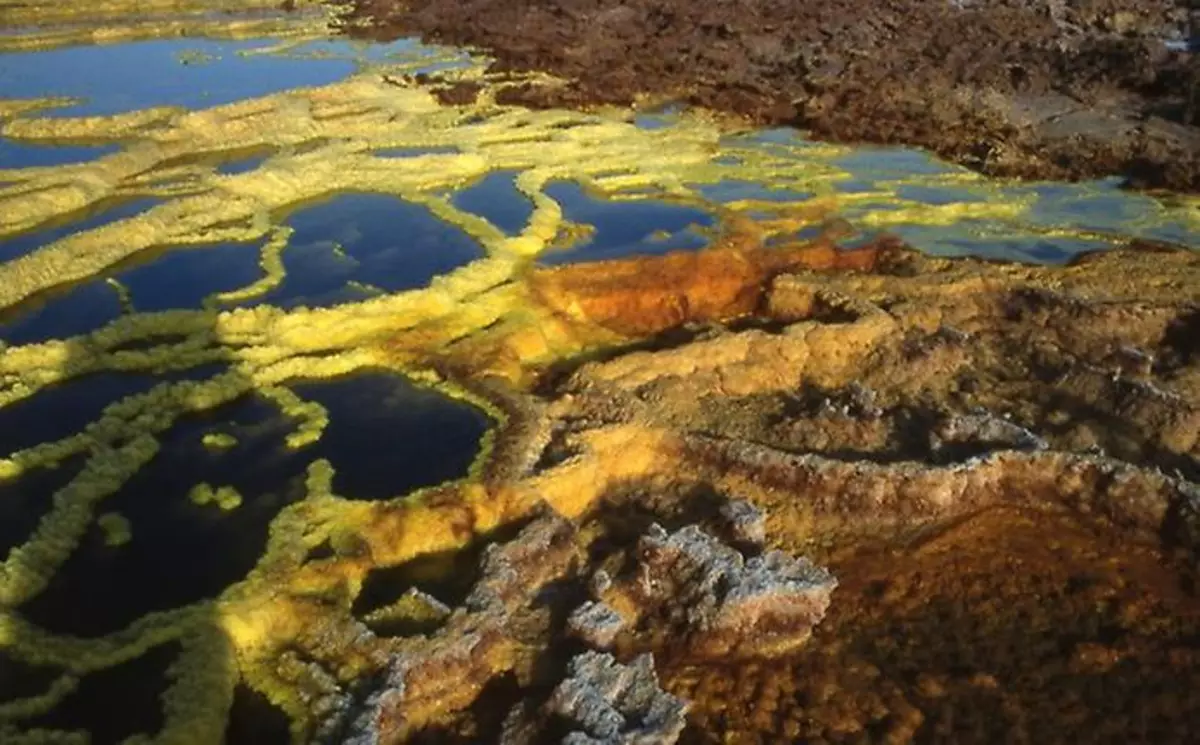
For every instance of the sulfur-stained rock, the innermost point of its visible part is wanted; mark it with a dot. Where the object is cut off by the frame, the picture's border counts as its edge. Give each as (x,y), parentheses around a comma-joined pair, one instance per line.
(998,462)
(494,632)
(875,402)
(899,417)
(968,359)
(413,607)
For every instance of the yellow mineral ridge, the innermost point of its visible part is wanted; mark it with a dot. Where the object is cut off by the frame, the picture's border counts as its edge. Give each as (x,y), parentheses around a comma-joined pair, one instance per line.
(46,24)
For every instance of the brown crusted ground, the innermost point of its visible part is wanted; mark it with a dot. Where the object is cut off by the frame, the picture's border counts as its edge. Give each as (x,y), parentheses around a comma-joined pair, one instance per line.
(998,464)
(974,450)
(1027,88)
(1008,626)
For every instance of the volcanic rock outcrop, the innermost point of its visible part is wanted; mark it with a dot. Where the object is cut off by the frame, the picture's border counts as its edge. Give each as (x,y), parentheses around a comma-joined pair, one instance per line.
(689,593)
(1028,88)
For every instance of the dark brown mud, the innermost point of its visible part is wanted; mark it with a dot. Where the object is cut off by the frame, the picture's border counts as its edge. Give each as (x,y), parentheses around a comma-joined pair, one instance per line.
(1061,89)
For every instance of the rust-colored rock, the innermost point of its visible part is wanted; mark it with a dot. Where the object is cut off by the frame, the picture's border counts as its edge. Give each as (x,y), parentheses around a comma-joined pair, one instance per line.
(647,295)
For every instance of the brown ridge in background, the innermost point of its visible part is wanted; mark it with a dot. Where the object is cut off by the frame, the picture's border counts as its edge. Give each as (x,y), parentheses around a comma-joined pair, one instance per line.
(1060,89)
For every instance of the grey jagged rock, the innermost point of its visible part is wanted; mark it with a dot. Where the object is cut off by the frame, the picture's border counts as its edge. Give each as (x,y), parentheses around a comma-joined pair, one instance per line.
(746,523)
(596,624)
(977,433)
(607,703)
(713,602)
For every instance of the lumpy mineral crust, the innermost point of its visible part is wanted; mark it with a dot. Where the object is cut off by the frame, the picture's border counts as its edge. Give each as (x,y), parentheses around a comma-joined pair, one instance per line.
(974,569)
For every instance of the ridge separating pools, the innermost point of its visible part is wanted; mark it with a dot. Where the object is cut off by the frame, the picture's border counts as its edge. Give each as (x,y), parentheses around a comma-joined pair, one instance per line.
(172,558)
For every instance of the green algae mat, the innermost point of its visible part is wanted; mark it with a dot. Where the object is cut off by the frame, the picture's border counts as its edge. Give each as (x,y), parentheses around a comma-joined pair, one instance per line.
(242,269)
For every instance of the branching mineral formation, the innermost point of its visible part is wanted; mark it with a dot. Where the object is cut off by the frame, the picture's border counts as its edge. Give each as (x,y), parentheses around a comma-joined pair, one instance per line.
(607,702)
(720,605)
(776,489)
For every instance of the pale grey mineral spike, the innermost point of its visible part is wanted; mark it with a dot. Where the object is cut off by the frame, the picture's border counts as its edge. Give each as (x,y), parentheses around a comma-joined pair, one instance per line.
(724,605)
(596,624)
(600,582)
(746,522)
(982,431)
(607,703)
(359,724)
(506,566)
